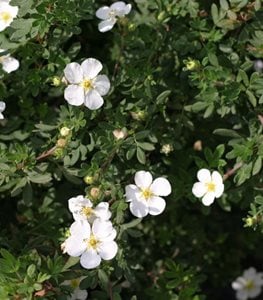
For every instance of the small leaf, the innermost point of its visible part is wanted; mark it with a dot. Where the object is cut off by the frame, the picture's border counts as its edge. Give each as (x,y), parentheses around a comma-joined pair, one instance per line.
(257,166)
(251,98)
(227,132)
(141,156)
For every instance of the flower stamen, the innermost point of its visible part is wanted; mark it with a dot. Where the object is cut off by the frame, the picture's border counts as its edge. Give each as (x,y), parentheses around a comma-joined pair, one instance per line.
(5,16)
(87,84)
(87,211)
(250,285)
(146,193)
(211,187)
(93,242)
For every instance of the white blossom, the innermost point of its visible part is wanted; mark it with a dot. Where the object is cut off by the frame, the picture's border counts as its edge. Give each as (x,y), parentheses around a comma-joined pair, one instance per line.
(7,14)
(109,15)
(91,243)
(2,108)
(209,187)
(77,294)
(8,62)
(82,209)
(144,196)
(85,85)
(248,285)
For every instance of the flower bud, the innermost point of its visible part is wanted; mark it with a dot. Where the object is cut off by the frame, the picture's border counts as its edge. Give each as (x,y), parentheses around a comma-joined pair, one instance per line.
(167,148)
(258,65)
(61,143)
(95,193)
(65,131)
(56,81)
(131,27)
(139,115)
(198,145)
(191,64)
(88,179)
(119,134)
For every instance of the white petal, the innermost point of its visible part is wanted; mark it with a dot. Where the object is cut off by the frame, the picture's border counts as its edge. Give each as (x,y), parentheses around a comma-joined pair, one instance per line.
(119,7)
(250,273)
(138,209)
(79,294)
(156,205)
(74,246)
(80,229)
(102,84)
(111,236)
(108,250)
(107,24)
(161,187)
(10,64)
(208,198)
(199,189)
(253,293)
(217,178)
(90,259)
(204,175)
(75,203)
(143,179)
(236,285)
(131,192)
(219,190)
(91,67)
(242,295)
(128,9)
(2,106)
(102,211)
(102,229)
(103,13)
(93,100)
(1,116)
(73,73)
(74,95)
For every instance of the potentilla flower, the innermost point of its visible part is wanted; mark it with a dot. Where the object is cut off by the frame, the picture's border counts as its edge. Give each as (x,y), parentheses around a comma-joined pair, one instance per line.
(209,187)
(2,108)
(8,62)
(109,15)
(7,14)
(82,209)
(249,285)
(77,294)
(92,244)
(144,196)
(85,85)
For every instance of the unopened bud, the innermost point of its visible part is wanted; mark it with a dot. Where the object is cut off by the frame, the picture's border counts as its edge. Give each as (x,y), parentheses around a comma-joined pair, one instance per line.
(95,193)
(65,131)
(131,27)
(198,145)
(56,81)
(191,64)
(258,65)
(88,179)
(61,143)
(139,116)
(120,133)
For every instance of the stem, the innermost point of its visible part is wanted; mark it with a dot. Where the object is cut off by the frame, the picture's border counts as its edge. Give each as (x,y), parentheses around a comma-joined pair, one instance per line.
(232,171)
(46,153)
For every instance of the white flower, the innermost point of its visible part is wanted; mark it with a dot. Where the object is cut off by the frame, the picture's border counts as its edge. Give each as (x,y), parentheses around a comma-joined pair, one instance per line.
(249,285)
(8,62)
(209,186)
(144,196)
(77,294)
(7,14)
(110,14)
(2,108)
(81,208)
(85,85)
(91,243)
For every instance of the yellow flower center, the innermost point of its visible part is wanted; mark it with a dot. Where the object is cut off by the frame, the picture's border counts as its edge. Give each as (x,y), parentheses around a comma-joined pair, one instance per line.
(250,285)
(93,242)
(190,65)
(74,283)
(87,211)
(6,16)
(86,84)
(146,193)
(211,187)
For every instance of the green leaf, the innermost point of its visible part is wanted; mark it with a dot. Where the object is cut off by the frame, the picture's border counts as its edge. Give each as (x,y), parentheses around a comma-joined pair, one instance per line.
(72,261)
(146,146)
(257,166)
(251,98)
(226,132)
(163,96)
(224,4)
(130,153)
(39,178)
(141,156)
(214,12)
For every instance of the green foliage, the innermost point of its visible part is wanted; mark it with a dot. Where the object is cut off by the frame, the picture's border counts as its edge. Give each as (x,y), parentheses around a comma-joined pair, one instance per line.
(182,74)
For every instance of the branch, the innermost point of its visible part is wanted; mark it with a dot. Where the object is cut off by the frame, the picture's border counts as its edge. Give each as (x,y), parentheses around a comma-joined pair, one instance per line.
(232,171)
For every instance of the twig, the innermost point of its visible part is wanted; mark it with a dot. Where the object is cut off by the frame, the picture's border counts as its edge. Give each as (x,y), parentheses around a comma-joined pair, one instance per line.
(230,172)
(46,153)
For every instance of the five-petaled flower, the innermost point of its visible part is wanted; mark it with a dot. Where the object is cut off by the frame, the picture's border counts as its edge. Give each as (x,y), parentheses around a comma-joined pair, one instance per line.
(77,293)
(144,196)
(85,85)
(209,187)
(91,243)
(110,14)
(8,62)
(7,14)
(82,209)
(249,285)
(2,108)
